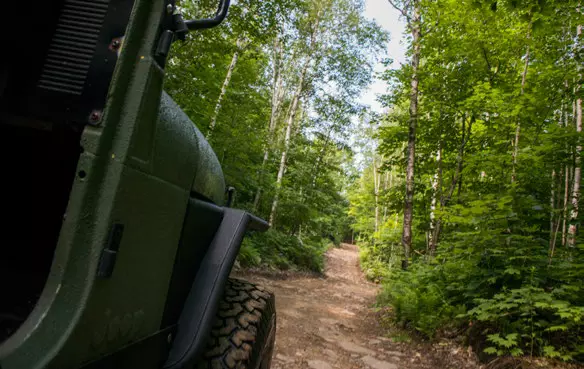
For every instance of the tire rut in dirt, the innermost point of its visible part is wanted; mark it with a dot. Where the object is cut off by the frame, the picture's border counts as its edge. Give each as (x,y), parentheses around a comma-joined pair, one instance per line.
(243,334)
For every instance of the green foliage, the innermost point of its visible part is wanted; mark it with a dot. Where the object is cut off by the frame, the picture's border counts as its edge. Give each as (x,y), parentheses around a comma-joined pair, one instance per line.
(538,320)
(503,345)
(380,255)
(504,269)
(275,249)
(420,300)
(266,44)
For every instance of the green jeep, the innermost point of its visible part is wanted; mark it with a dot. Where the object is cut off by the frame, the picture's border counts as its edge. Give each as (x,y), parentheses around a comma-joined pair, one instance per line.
(117,242)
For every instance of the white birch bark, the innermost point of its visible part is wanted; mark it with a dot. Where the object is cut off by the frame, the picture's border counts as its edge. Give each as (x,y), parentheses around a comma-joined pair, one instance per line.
(572,229)
(240,44)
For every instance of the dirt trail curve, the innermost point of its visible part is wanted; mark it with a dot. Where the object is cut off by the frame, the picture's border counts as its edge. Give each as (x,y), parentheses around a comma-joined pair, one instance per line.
(329,322)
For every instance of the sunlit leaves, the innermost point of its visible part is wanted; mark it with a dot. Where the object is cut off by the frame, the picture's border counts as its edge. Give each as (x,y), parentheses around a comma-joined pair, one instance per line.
(499,65)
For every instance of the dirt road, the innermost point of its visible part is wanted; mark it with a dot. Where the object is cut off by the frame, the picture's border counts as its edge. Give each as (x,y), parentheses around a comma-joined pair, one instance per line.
(329,322)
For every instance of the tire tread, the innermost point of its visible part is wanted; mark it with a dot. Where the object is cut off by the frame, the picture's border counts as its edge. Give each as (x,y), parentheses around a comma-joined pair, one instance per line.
(242,319)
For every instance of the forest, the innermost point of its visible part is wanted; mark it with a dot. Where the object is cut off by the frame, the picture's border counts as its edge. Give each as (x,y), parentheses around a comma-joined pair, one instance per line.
(463,195)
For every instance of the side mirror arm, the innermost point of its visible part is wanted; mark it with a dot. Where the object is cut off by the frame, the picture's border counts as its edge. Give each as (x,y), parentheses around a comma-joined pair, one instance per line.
(179,28)
(220,15)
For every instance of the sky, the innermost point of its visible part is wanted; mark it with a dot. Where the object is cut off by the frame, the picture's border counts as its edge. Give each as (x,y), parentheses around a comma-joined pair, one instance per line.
(388,18)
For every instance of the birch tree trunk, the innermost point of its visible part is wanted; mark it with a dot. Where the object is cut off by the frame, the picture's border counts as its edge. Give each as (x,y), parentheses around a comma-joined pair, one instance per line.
(566,190)
(376,189)
(555,197)
(518,127)
(292,116)
(386,185)
(552,209)
(277,97)
(414,24)
(287,137)
(289,124)
(565,209)
(435,189)
(239,46)
(572,229)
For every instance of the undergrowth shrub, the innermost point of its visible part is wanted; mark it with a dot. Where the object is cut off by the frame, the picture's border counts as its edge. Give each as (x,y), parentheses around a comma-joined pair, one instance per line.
(374,267)
(532,321)
(380,255)
(494,279)
(420,300)
(278,250)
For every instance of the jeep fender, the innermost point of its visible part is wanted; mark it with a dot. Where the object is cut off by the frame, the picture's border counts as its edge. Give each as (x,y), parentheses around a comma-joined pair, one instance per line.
(199,310)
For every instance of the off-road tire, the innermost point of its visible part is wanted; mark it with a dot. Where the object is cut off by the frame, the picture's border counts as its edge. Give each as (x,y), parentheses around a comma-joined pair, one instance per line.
(244,331)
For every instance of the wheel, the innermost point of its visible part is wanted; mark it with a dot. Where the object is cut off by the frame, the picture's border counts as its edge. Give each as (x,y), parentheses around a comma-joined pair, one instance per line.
(244,331)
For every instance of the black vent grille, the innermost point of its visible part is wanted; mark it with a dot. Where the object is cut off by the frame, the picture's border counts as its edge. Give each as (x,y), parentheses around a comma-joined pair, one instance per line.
(72,47)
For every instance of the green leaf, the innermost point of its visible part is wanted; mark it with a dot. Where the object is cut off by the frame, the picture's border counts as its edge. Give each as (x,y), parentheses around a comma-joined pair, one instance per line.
(490,350)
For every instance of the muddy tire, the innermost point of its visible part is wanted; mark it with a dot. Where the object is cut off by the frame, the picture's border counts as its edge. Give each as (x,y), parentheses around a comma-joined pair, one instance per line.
(244,331)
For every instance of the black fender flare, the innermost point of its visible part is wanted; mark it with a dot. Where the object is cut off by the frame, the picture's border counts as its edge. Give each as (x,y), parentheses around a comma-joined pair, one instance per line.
(201,305)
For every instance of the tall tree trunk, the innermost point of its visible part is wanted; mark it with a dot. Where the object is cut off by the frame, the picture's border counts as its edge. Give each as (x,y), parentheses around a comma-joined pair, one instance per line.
(565,208)
(414,24)
(555,197)
(321,155)
(292,116)
(282,169)
(386,185)
(289,124)
(463,140)
(552,209)
(445,198)
(277,97)
(555,225)
(238,47)
(518,127)
(376,183)
(436,187)
(573,229)
(566,189)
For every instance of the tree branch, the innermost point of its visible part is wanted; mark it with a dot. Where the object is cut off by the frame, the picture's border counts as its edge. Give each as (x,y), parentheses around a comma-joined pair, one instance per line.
(489,67)
(402,11)
(457,174)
